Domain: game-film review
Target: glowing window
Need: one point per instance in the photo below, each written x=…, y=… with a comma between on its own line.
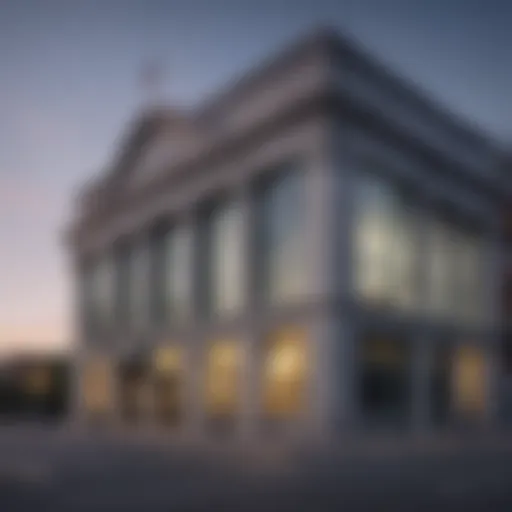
x=222, y=379
x=285, y=373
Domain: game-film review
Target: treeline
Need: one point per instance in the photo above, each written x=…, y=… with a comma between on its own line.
x=35, y=391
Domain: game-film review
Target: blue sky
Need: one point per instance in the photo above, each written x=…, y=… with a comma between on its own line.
x=70, y=81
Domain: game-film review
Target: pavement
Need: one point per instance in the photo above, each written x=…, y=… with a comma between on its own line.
x=45, y=469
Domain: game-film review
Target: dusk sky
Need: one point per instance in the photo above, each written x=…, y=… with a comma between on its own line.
x=70, y=81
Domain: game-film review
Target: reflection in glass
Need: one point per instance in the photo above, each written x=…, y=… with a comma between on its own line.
x=386, y=251
x=283, y=238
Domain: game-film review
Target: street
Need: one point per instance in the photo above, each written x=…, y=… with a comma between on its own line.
x=45, y=470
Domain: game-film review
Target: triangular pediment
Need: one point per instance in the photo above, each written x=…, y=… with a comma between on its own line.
x=154, y=142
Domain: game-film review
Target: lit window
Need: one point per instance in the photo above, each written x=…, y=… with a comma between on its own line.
x=167, y=384
x=469, y=380
x=386, y=255
x=285, y=373
x=222, y=379
x=97, y=385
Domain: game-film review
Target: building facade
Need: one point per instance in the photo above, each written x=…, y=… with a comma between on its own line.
x=316, y=250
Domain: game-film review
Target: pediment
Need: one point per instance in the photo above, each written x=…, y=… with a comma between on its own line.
x=155, y=142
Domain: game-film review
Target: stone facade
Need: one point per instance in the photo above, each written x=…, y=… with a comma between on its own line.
x=327, y=107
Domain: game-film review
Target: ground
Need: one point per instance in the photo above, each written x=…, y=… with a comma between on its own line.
x=42, y=469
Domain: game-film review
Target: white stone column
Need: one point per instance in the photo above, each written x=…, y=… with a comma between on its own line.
x=251, y=370
x=330, y=189
x=194, y=356
x=139, y=285
x=334, y=376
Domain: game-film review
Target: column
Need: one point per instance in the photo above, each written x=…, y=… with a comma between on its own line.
x=139, y=286
x=194, y=359
x=251, y=372
x=334, y=390
x=330, y=207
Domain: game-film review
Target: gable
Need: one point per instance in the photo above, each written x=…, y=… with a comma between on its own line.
x=155, y=143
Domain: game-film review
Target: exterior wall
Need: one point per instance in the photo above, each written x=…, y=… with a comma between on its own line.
x=359, y=150
x=332, y=146
x=302, y=144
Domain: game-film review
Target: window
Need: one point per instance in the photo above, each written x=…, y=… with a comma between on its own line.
x=226, y=259
x=97, y=386
x=385, y=385
x=386, y=256
x=98, y=294
x=104, y=291
x=222, y=379
x=139, y=286
x=167, y=384
x=285, y=373
x=455, y=273
x=86, y=298
x=178, y=272
x=157, y=276
x=469, y=380
x=283, y=238
x=122, y=284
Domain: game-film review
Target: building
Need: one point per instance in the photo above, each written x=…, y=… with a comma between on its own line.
x=315, y=250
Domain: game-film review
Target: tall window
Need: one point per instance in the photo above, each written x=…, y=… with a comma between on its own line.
x=384, y=379
x=97, y=386
x=283, y=238
x=226, y=255
x=222, y=378
x=157, y=276
x=122, y=285
x=386, y=250
x=104, y=291
x=285, y=373
x=178, y=272
x=139, y=286
x=98, y=294
x=86, y=292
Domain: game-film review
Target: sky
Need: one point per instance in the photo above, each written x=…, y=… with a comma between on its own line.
x=70, y=81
